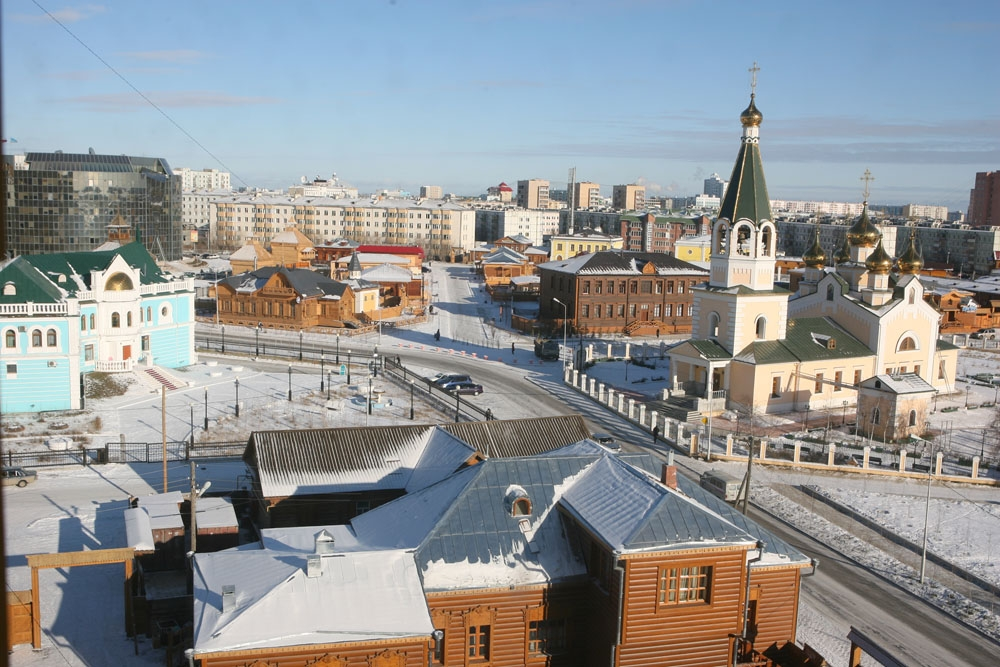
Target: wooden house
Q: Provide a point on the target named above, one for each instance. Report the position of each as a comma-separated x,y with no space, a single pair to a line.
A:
293,249
570,557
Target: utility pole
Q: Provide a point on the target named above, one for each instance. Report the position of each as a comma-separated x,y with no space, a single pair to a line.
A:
194,520
572,199
163,430
746,482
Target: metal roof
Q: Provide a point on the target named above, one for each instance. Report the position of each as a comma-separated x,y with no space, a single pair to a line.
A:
746,196
905,383
624,263
806,339
520,437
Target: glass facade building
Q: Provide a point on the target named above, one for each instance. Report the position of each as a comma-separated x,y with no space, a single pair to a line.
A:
63,202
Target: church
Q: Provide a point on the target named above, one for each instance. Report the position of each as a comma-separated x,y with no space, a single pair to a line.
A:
759,348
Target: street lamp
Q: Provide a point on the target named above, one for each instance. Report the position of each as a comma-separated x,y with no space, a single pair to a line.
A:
565,317
191,405
256,345
348,367
329,384
626,369
322,360
843,422
411,400
206,408
300,344
223,339
374,364
967,389
289,382
805,424
237,398
369,394
338,348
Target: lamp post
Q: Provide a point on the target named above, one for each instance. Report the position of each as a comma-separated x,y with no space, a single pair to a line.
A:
565,317
626,369
300,344
967,390
191,423
289,382
348,367
843,422
206,408
322,360
338,348
411,401
369,394
256,344
223,339
237,398
329,384
805,424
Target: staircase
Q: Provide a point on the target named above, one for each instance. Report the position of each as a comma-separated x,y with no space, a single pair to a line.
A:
682,408
644,327
161,378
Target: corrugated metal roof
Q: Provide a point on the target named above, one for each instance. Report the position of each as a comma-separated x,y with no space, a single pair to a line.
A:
623,263
807,339
905,383
520,437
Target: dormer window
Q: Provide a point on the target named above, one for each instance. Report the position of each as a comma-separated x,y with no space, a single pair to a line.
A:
10,289
516,501
522,507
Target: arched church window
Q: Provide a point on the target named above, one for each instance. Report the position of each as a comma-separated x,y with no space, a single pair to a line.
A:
36,338
876,416
913,296
765,242
128,318
761,326
116,320
829,292
743,240
913,417
907,343
713,325
10,339
721,239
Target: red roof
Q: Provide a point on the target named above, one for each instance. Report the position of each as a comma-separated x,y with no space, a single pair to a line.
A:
503,187
393,249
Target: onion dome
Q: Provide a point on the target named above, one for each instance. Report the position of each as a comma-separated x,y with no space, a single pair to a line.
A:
912,260
751,116
815,258
844,253
863,232
879,261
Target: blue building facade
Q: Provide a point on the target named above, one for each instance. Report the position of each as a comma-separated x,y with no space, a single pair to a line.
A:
65,315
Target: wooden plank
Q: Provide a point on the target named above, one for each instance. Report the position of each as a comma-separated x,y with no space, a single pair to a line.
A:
72,558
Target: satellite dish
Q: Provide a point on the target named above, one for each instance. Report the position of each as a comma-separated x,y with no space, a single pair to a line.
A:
302,179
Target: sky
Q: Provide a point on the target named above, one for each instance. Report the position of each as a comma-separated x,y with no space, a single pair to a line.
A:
468,93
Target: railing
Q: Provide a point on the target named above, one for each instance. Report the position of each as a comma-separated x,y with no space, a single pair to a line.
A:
30,309
122,366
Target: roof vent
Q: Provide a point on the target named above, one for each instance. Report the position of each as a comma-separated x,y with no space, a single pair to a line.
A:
324,542
314,566
516,501
228,597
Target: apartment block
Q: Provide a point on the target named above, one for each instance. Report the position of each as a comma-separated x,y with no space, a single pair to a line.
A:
431,192
984,200
533,193
204,179
586,195
534,224
628,197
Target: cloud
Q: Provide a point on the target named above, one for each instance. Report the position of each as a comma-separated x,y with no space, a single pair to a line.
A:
167,100
76,75
185,56
65,15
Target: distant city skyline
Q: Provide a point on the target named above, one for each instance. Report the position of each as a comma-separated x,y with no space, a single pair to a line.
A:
466,94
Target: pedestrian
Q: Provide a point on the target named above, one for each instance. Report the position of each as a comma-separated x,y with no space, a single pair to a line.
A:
512,350
656,433
657,332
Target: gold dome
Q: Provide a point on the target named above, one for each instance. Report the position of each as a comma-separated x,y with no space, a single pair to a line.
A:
751,115
912,260
879,261
815,258
863,232
844,253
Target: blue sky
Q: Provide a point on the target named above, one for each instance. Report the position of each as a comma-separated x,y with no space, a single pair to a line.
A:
468,93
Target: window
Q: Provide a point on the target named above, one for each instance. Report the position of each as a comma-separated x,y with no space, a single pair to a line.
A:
621,310
713,325
916,369
680,310
656,310
88,352
631,310
913,417
776,386
670,287
876,416
829,292
680,287
907,344
116,321
761,326
36,338
611,287
521,507
819,384
91,321
11,371
668,310
632,287
659,287
586,287
50,338
546,636
646,287
83,323
941,374
144,343
621,287
585,310
857,377
10,339
680,585
912,296
479,642
838,379
597,310
599,287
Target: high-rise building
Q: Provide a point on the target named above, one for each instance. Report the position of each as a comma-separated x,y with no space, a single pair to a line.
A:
628,197
206,179
715,186
533,193
64,202
431,192
586,195
984,200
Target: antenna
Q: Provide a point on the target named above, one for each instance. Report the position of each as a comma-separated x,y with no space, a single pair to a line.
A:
572,197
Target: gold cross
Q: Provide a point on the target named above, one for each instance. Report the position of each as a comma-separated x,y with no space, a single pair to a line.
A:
753,78
867,178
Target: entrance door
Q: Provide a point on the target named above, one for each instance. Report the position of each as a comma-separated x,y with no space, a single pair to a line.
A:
126,352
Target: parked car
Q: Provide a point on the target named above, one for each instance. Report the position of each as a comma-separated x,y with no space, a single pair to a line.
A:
465,388
547,349
987,334
607,441
442,379
18,476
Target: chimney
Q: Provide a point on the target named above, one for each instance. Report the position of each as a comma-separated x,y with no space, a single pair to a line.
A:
314,566
324,542
669,475
228,597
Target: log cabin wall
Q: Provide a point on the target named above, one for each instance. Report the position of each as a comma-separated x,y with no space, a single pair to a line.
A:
682,633
410,652
509,614
774,592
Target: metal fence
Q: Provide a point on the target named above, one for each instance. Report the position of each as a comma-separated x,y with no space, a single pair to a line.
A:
448,401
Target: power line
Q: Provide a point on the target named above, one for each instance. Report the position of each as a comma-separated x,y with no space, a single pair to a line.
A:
141,94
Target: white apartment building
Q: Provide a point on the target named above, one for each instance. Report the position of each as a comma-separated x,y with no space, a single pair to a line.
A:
206,179
440,227
707,202
323,188
812,207
497,222
198,211
431,192
925,211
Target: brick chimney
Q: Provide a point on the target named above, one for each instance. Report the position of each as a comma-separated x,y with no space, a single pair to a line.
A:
668,477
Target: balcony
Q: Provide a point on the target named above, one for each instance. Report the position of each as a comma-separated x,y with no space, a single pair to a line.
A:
123,366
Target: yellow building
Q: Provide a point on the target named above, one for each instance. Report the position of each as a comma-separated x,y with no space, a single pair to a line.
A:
759,348
693,248
584,242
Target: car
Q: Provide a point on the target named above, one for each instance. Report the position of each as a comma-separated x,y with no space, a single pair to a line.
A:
986,334
443,379
18,476
607,441
547,350
465,388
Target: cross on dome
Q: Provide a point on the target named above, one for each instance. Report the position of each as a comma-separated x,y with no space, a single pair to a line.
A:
753,78
867,178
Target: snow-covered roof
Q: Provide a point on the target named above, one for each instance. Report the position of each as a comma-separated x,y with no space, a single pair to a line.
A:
525,280
164,510
138,530
375,258
215,513
363,596
387,273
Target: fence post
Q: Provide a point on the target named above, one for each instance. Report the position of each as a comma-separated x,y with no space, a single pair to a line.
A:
798,452
867,453
902,460
642,413
831,457
729,444
693,444
938,462
975,467
631,407
763,449
600,392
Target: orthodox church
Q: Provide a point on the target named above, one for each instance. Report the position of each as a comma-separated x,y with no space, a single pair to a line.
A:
758,347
